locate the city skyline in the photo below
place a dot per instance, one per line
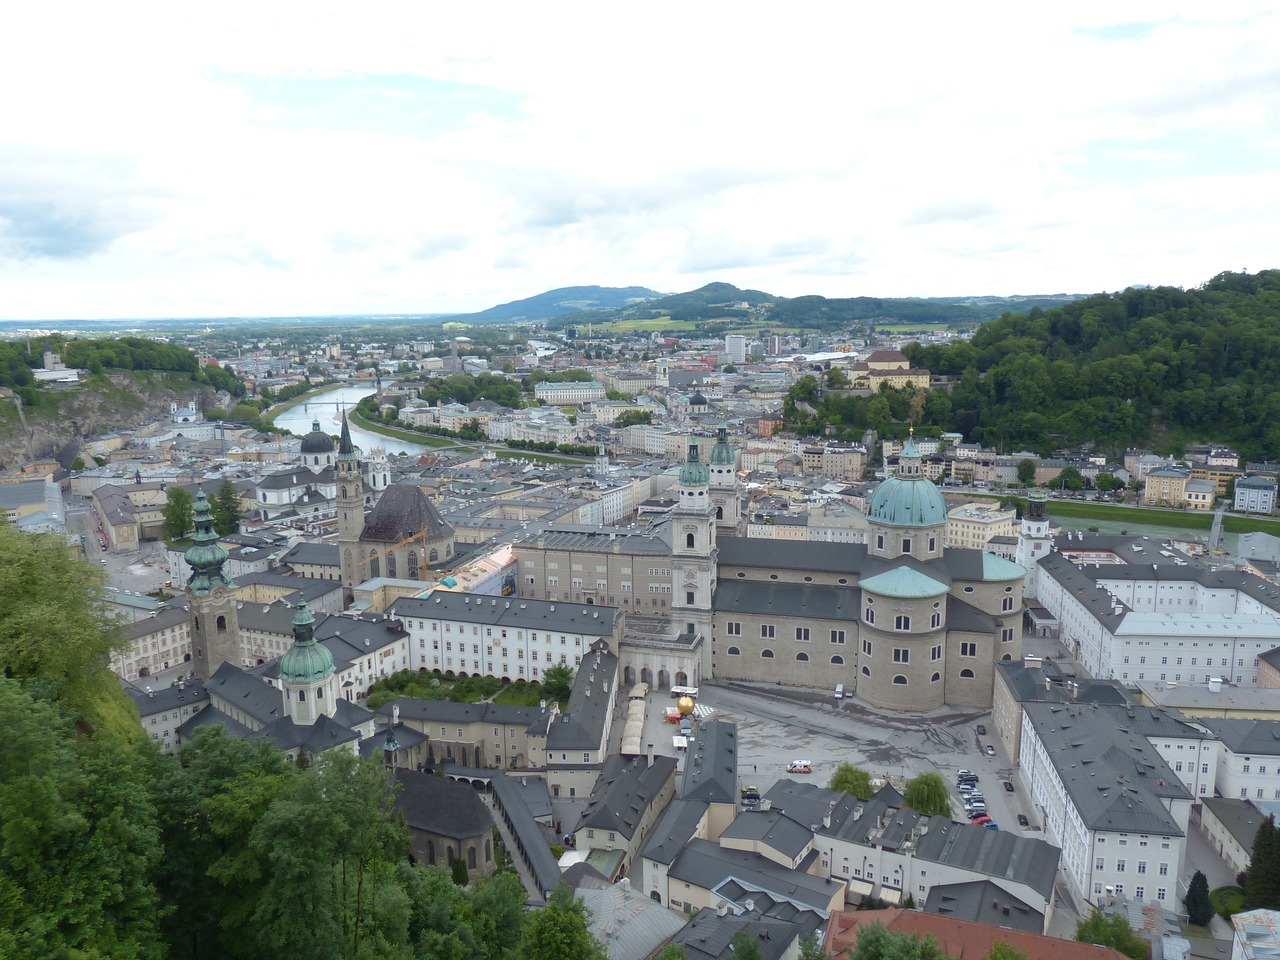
(280, 164)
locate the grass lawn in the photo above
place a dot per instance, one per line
(518, 695)
(1103, 511)
(425, 439)
(1227, 900)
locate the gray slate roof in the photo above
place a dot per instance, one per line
(404, 511)
(674, 829)
(772, 828)
(245, 692)
(164, 699)
(623, 792)
(532, 844)
(1115, 778)
(555, 616)
(581, 726)
(446, 711)
(1247, 737)
(706, 864)
(787, 599)
(440, 805)
(984, 902)
(711, 767)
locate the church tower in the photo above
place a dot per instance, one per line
(726, 498)
(215, 624)
(379, 472)
(350, 503)
(694, 554)
(307, 673)
(1034, 540)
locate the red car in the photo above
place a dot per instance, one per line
(981, 821)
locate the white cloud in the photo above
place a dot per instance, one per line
(317, 158)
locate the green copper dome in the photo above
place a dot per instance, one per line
(205, 556)
(306, 661)
(694, 473)
(722, 454)
(909, 498)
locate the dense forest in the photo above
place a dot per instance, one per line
(111, 849)
(1157, 367)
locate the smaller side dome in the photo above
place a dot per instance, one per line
(694, 473)
(317, 441)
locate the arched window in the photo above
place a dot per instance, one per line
(488, 849)
(935, 678)
(966, 674)
(802, 657)
(766, 654)
(222, 624)
(431, 852)
(347, 562)
(837, 660)
(413, 564)
(319, 693)
(935, 621)
(1007, 656)
(373, 563)
(435, 555)
(344, 493)
(471, 857)
(902, 622)
(391, 565)
(900, 680)
(302, 696)
(866, 671)
(869, 616)
(719, 513)
(688, 540)
(197, 622)
(734, 652)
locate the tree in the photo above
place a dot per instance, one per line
(77, 464)
(745, 946)
(1068, 478)
(927, 794)
(1026, 472)
(837, 379)
(559, 931)
(1002, 951)
(811, 949)
(875, 942)
(179, 513)
(629, 418)
(674, 951)
(52, 631)
(226, 510)
(1113, 931)
(1199, 906)
(557, 681)
(1262, 887)
(852, 779)
(459, 872)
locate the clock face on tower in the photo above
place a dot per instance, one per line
(219, 592)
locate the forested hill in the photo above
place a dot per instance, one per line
(556, 303)
(1159, 366)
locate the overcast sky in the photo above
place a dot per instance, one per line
(275, 159)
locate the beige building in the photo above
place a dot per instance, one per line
(1166, 487)
(476, 734)
(971, 526)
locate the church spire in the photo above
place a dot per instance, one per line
(346, 450)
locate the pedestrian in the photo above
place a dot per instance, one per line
(753, 768)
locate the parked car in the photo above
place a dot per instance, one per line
(1023, 821)
(991, 751)
(1008, 785)
(982, 729)
(992, 825)
(983, 820)
(962, 772)
(966, 787)
(800, 766)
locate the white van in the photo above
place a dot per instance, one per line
(839, 691)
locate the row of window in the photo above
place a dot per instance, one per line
(1101, 864)
(1208, 661)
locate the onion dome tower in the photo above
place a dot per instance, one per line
(725, 496)
(907, 516)
(307, 673)
(215, 626)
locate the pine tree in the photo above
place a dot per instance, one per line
(460, 872)
(1199, 906)
(1262, 887)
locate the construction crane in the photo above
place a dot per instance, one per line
(419, 538)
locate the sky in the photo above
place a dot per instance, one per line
(281, 159)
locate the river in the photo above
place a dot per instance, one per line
(327, 408)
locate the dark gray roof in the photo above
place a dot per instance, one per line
(573, 536)
(1028, 684)
(774, 829)
(1240, 817)
(319, 554)
(787, 599)
(674, 829)
(1116, 779)
(412, 708)
(169, 615)
(246, 693)
(163, 699)
(530, 840)
(1000, 854)
(711, 767)
(1247, 737)
(984, 902)
(212, 717)
(371, 748)
(552, 615)
(325, 734)
(440, 805)
(807, 803)
(581, 726)
(708, 935)
(706, 864)
(403, 512)
(848, 558)
(623, 793)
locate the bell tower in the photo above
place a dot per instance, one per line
(694, 554)
(350, 503)
(1034, 540)
(726, 500)
(215, 624)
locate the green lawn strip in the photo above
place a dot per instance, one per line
(425, 439)
(1227, 900)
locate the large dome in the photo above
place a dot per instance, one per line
(913, 502)
(317, 441)
(306, 661)
(909, 499)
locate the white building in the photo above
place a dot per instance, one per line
(1255, 495)
(573, 392)
(1248, 759)
(509, 637)
(735, 347)
(1107, 800)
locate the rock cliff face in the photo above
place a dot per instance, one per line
(124, 402)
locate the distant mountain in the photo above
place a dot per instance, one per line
(557, 303)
